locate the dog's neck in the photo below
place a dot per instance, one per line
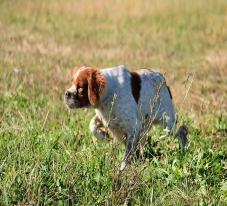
(108, 91)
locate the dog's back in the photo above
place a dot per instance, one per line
(155, 100)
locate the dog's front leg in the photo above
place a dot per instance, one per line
(98, 129)
(131, 148)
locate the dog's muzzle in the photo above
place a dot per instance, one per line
(70, 99)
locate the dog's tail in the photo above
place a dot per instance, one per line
(182, 133)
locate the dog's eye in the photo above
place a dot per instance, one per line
(79, 88)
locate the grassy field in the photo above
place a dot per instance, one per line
(47, 154)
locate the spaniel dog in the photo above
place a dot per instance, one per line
(127, 103)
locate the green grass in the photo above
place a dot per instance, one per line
(47, 154)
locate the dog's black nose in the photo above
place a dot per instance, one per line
(67, 94)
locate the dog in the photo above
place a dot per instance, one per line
(126, 103)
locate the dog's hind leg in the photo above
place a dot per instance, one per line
(181, 132)
(98, 130)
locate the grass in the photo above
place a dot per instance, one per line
(47, 154)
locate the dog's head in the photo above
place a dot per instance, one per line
(86, 88)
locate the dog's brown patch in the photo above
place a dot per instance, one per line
(136, 85)
(75, 70)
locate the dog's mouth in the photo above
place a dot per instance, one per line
(72, 103)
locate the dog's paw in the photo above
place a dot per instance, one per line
(123, 165)
(182, 133)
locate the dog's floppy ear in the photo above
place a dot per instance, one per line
(96, 84)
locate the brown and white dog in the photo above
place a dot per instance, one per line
(125, 102)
